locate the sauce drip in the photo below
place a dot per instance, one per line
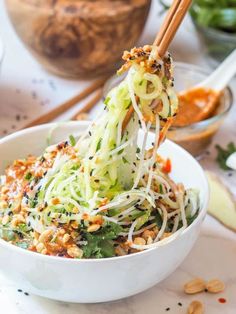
(195, 105)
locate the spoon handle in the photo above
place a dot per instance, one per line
(223, 74)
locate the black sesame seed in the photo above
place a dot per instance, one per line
(167, 309)
(17, 117)
(19, 290)
(91, 157)
(49, 213)
(90, 133)
(180, 304)
(120, 216)
(127, 196)
(96, 180)
(26, 293)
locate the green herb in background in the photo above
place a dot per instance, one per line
(219, 14)
(223, 154)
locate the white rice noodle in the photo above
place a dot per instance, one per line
(111, 219)
(131, 231)
(176, 223)
(153, 159)
(134, 103)
(180, 198)
(142, 154)
(164, 223)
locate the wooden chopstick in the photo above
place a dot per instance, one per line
(166, 22)
(172, 27)
(164, 37)
(49, 116)
(90, 104)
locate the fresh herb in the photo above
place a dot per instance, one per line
(99, 144)
(190, 219)
(28, 176)
(125, 161)
(223, 154)
(106, 101)
(160, 188)
(219, 14)
(72, 140)
(100, 244)
(158, 219)
(142, 220)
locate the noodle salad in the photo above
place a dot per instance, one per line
(101, 195)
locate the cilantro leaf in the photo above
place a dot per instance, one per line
(100, 244)
(223, 154)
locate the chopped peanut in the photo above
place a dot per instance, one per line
(74, 251)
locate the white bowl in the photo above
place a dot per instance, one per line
(97, 280)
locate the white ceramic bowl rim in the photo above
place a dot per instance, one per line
(202, 211)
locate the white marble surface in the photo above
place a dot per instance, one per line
(28, 90)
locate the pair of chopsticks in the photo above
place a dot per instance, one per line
(165, 35)
(95, 87)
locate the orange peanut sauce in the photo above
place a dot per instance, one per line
(195, 105)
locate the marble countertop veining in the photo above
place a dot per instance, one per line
(26, 90)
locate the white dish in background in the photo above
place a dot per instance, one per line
(97, 280)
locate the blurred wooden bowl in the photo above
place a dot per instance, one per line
(78, 38)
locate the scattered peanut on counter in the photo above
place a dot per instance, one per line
(195, 286)
(215, 286)
(195, 307)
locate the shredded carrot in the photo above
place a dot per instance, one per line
(167, 166)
